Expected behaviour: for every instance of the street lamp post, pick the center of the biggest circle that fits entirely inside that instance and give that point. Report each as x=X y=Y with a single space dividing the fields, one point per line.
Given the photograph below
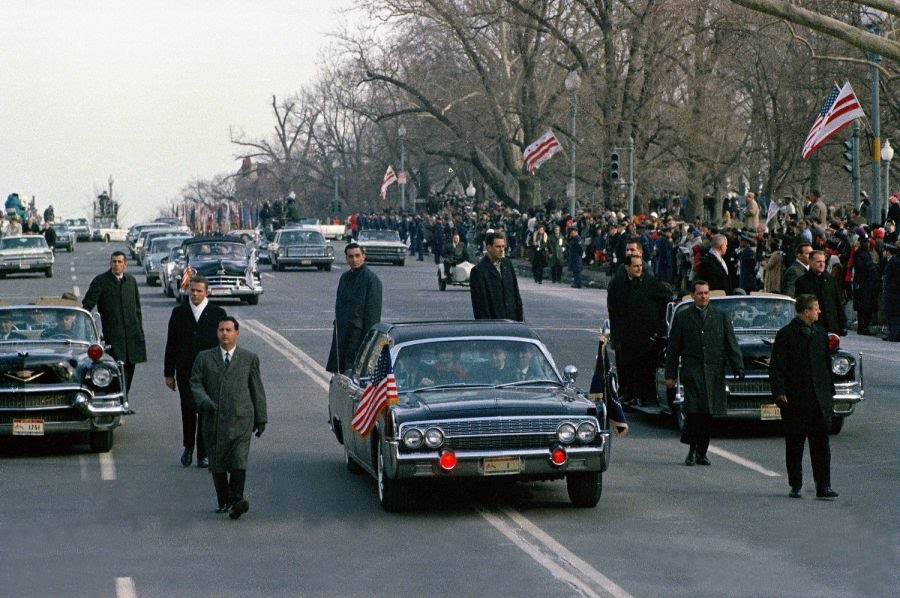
x=470 y=190
x=336 y=203
x=887 y=154
x=572 y=83
x=401 y=133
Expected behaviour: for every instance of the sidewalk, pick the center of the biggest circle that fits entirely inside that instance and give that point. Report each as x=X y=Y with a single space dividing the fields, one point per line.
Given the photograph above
x=591 y=277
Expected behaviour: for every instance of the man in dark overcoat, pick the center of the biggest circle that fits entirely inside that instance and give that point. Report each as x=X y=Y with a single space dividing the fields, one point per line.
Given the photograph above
x=636 y=304
x=575 y=253
x=865 y=287
x=890 y=295
x=493 y=286
x=820 y=283
x=192 y=328
x=357 y=307
x=713 y=268
x=229 y=394
x=800 y=375
x=115 y=295
x=796 y=269
x=702 y=338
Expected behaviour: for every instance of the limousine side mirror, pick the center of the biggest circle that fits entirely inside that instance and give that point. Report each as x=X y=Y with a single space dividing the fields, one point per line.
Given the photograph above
x=570 y=373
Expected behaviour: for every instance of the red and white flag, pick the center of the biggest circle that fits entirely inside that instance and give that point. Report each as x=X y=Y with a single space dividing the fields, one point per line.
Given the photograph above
x=390 y=177
x=541 y=150
x=381 y=392
x=841 y=108
x=186 y=277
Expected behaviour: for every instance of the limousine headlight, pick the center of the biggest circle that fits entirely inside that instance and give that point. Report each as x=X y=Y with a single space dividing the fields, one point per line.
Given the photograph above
x=412 y=438
x=840 y=365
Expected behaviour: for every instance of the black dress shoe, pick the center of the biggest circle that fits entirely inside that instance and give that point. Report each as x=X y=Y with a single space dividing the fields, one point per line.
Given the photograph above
x=689 y=460
x=203 y=462
x=702 y=460
x=795 y=493
x=826 y=494
x=239 y=508
x=187 y=456
x=223 y=509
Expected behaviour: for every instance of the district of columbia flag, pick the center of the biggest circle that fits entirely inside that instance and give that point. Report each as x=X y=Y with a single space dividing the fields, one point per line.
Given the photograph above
x=390 y=177
x=381 y=392
x=841 y=108
x=541 y=150
x=773 y=210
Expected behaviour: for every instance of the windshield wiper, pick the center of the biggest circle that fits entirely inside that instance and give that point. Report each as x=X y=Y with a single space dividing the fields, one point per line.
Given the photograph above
x=456 y=385
x=528 y=383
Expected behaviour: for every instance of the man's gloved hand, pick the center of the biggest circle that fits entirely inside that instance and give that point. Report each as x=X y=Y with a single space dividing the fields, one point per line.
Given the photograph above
x=259 y=429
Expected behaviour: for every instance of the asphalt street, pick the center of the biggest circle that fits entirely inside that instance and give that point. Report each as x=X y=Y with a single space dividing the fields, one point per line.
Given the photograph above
x=134 y=522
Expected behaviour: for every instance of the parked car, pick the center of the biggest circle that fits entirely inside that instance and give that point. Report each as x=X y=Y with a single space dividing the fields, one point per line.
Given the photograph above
x=142 y=245
x=65 y=238
x=300 y=247
x=228 y=264
x=25 y=254
x=475 y=399
x=136 y=229
x=55 y=376
x=158 y=249
x=81 y=227
x=756 y=319
x=383 y=246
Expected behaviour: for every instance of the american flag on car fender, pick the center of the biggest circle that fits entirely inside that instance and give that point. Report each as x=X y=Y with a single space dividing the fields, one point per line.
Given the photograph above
x=381 y=392
x=186 y=277
x=600 y=391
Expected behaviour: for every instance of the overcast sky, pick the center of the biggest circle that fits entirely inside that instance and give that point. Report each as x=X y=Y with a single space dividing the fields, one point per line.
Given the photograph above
x=143 y=91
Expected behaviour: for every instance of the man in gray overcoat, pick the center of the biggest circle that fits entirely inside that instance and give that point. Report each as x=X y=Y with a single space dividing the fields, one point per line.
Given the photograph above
x=115 y=295
x=230 y=398
x=702 y=339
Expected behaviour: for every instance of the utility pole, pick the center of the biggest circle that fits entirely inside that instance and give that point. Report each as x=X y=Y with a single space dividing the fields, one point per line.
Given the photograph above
x=875 y=212
x=629 y=182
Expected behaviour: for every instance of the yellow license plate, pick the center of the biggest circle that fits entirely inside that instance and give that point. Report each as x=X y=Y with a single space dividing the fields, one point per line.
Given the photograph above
x=502 y=465
x=28 y=427
x=25 y=266
x=305 y=262
x=769 y=412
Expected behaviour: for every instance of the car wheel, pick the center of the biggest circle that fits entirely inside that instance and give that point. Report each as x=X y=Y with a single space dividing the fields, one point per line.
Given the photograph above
x=101 y=442
x=253 y=300
x=70 y=248
x=837 y=423
x=584 y=488
x=442 y=284
x=390 y=492
x=106 y=238
x=49 y=272
x=327 y=267
x=401 y=263
x=352 y=466
x=2 y=274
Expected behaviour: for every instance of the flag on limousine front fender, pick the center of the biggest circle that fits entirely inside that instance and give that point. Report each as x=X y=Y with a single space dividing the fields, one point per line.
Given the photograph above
x=382 y=391
x=186 y=277
x=600 y=391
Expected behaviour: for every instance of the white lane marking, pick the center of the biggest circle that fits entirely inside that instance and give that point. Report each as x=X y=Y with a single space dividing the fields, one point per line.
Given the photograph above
x=742 y=461
x=83 y=464
x=329 y=329
x=72 y=268
x=125 y=588
x=268 y=275
x=74 y=277
x=565 y=554
x=107 y=467
x=77 y=291
x=290 y=351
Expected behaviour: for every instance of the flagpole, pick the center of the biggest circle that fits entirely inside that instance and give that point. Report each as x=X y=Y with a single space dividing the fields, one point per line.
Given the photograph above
x=875 y=211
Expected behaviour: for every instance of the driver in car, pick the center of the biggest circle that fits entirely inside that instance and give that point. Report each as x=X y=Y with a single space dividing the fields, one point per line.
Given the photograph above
x=776 y=318
x=7 y=329
x=501 y=370
x=445 y=369
x=65 y=328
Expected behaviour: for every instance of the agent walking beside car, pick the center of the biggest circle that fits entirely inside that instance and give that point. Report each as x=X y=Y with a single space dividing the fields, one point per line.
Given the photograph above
x=703 y=340
x=802 y=387
x=357 y=307
x=115 y=295
x=493 y=286
x=193 y=328
x=229 y=394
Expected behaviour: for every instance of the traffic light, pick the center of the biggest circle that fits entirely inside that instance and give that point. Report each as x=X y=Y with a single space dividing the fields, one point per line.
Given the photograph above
x=849 y=156
x=614 y=166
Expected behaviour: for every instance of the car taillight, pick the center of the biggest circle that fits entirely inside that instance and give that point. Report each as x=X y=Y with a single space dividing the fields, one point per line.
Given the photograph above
x=834 y=341
x=447 y=460
x=558 y=456
x=95 y=352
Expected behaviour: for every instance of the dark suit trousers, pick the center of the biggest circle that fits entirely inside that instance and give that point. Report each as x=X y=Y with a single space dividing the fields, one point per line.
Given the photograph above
x=190 y=419
x=129 y=376
x=697 y=430
x=819 y=455
x=229 y=486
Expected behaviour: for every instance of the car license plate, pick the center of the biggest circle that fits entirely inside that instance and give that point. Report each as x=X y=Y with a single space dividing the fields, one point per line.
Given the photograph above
x=769 y=411
x=502 y=465
x=220 y=291
x=305 y=262
x=28 y=427
x=24 y=266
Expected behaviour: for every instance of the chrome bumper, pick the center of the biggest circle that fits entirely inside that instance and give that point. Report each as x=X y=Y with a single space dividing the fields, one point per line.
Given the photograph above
x=84 y=413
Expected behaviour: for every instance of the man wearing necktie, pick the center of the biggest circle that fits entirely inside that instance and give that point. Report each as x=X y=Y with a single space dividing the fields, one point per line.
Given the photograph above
x=229 y=394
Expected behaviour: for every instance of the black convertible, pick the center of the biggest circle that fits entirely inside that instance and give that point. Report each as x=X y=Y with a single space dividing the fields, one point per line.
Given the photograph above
x=227 y=263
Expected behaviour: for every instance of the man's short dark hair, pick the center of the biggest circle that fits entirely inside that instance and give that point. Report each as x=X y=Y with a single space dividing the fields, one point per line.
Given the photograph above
x=115 y=253
x=631 y=258
x=698 y=283
x=491 y=237
x=354 y=245
x=200 y=279
x=799 y=250
x=804 y=302
x=232 y=320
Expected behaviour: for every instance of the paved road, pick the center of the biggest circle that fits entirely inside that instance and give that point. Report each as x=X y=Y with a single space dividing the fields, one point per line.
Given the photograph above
x=134 y=522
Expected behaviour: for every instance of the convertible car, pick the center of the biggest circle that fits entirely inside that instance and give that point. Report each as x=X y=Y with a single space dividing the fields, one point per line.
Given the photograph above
x=474 y=400
x=227 y=263
x=55 y=376
x=383 y=246
x=25 y=254
x=756 y=319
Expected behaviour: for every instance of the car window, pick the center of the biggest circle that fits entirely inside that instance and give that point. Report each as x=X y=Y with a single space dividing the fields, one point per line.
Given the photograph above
x=46 y=324
x=749 y=313
x=30 y=242
x=368 y=355
x=379 y=235
x=217 y=249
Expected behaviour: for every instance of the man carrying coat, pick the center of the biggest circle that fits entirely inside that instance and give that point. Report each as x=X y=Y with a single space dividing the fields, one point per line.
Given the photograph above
x=115 y=295
x=493 y=285
x=229 y=395
x=702 y=339
x=800 y=374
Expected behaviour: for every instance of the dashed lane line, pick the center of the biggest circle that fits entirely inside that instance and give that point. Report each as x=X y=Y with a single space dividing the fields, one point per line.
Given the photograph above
x=125 y=587
x=107 y=467
x=76 y=290
x=742 y=461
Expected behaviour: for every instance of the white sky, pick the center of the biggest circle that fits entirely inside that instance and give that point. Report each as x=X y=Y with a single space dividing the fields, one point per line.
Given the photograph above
x=143 y=90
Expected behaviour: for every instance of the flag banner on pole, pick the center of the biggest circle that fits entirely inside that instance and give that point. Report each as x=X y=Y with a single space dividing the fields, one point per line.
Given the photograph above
x=841 y=108
x=381 y=392
x=541 y=150
x=186 y=276
x=772 y=211
x=600 y=391
x=390 y=178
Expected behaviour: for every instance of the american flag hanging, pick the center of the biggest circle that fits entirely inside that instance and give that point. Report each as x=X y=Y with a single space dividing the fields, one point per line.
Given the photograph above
x=381 y=392
x=841 y=108
x=600 y=391
x=390 y=177
x=541 y=150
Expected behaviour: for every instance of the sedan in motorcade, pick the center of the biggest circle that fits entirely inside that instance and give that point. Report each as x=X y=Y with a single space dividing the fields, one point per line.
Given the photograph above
x=301 y=247
x=756 y=319
x=81 y=227
x=65 y=238
x=25 y=254
x=143 y=241
x=158 y=249
x=474 y=399
x=55 y=376
x=228 y=265
x=383 y=246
